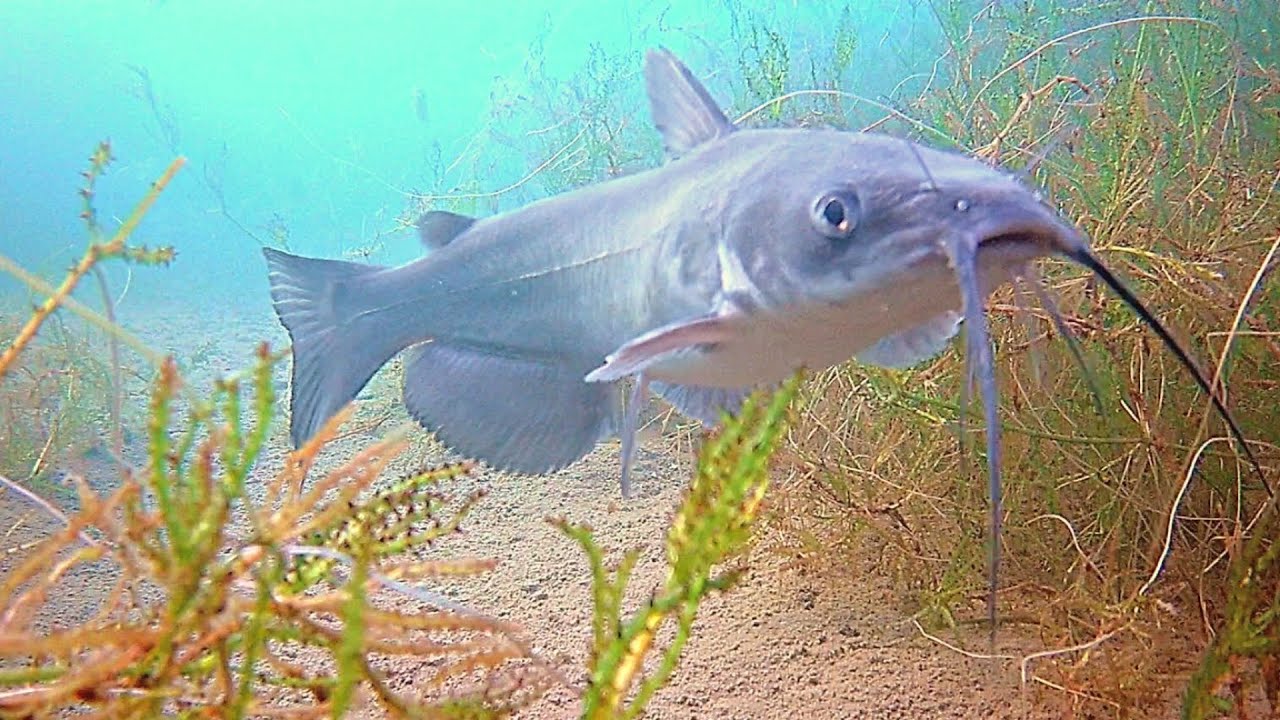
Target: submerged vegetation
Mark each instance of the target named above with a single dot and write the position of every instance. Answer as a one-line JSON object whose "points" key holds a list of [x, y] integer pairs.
{"points": [[712, 525], [212, 596], [51, 406], [1137, 538], [1134, 527], [216, 602], [1139, 549], [213, 591], [1132, 530]]}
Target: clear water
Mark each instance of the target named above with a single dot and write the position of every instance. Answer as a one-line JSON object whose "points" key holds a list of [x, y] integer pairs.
{"points": [[316, 121]]}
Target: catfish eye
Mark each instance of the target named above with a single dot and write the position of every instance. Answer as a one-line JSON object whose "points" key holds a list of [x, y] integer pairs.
{"points": [[835, 215]]}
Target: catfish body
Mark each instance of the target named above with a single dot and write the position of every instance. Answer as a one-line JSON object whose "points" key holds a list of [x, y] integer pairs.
{"points": [[521, 308], [748, 255]]}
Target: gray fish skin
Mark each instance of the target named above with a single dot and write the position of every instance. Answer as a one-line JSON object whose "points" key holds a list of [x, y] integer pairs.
{"points": [[727, 268], [710, 275]]}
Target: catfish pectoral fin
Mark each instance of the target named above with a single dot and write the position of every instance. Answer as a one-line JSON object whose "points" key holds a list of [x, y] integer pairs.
{"points": [[512, 413], [636, 355]]}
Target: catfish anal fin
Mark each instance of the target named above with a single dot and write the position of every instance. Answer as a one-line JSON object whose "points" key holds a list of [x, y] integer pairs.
{"points": [[513, 413]]}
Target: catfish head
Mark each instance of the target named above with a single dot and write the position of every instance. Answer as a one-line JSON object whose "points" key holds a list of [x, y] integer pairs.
{"points": [[838, 244], [874, 228]]}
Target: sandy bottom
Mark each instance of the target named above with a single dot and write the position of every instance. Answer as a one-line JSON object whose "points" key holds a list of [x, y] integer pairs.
{"points": [[825, 638]]}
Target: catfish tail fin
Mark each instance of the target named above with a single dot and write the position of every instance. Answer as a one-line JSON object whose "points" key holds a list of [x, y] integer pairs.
{"points": [[335, 349]]}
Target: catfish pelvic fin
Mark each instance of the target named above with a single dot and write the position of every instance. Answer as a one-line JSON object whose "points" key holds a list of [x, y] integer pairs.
{"points": [[682, 109], [630, 426], [913, 345], [704, 404]]}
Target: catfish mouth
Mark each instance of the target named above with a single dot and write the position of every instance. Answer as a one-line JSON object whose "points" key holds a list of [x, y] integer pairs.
{"points": [[1048, 241], [1005, 254], [1027, 240]]}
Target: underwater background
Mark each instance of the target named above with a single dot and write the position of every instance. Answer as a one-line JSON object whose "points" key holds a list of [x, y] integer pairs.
{"points": [[1140, 576], [311, 125]]}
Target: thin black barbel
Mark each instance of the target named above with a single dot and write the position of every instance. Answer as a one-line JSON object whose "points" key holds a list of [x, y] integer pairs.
{"points": [[1087, 259]]}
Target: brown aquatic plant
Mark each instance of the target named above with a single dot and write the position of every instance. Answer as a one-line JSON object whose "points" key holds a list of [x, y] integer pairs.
{"points": [[1129, 529], [210, 590], [713, 525], [231, 596], [214, 595]]}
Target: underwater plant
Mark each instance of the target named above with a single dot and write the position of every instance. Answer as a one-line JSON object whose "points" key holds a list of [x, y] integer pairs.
{"points": [[213, 598], [210, 586], [54, 403], [1250, 630], [712, 525], [216, 596], [1156, 133]]}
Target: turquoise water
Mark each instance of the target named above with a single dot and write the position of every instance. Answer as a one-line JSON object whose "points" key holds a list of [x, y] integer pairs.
{"points": [[313, 123], [326, 128]]}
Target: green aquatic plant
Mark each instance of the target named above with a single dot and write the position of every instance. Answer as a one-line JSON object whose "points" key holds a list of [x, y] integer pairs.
{"points": [[213, 592], [55, 405], [1250, 630], [208, 589], [117, 246], [208, 592], [712, 525], [1156, 133], [765, 62], [54, 402]]}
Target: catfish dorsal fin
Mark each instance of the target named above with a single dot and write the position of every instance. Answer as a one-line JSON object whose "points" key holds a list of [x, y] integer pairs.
{"points": [[682, 109], [439, 227]]}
